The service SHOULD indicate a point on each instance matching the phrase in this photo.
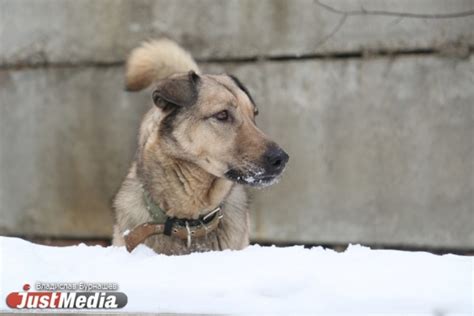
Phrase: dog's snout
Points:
(275, 159)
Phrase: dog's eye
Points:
(222, 115)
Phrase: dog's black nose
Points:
(275, 159)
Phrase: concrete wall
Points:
(71, 31)
(377, 115)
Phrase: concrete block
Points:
(67, 136)
(382, 150)
(89, 31)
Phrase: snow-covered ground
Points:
(257, 280)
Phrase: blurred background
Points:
(373, 100)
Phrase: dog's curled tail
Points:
(155, 60)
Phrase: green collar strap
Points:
(159, 216)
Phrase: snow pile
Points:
(258, 280)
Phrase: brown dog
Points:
(197, 146)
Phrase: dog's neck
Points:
(182, 189)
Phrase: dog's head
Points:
(210, 121)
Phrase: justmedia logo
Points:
(68, 296)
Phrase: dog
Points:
(198, 146)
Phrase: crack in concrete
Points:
(448, 52)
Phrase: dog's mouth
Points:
(264, 173)
(257, 179)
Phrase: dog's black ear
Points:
(242, 87)
(177, 91)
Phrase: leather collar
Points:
(184, 229)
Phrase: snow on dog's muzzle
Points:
(263, 173)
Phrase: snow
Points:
(257, 280)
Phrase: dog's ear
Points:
(177, 91)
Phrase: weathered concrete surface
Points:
(66, 138)
(70, 31)
(382, 150)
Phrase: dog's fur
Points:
(196, 148)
